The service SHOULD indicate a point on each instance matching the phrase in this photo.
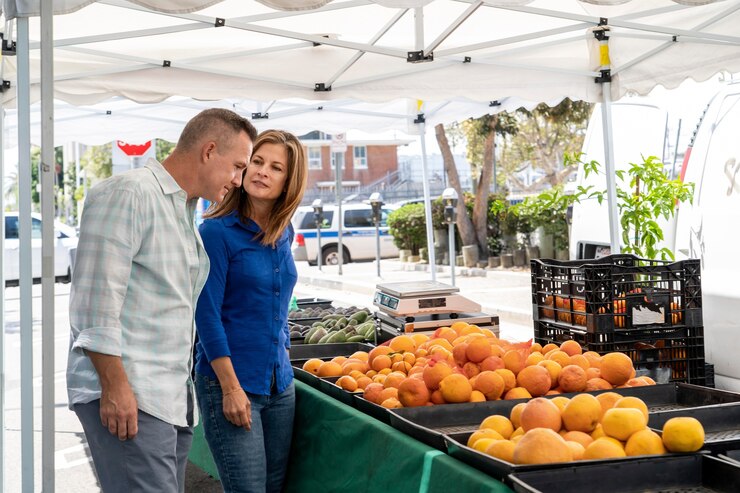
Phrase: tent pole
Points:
(24, 236)
(427, 198)
(611, 178)
(2, 307)
(48, 240)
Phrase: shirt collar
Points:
(166, 181)
(232, 219)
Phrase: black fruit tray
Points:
(668, 473)
(721, 424)
(501, 469)
(313, 303)
(329, 386)
(428, 424)
(301, 353)
(376, 411)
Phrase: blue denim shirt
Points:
(243, 309)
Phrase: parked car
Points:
(358, 235)
(66, 240)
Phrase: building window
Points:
(314, 158)
(360, 157)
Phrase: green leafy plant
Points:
(650, 196)
(407, 225)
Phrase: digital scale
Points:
(421, 306)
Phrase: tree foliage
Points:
(98, 162)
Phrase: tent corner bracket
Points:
(8, 46)
(419, 57)
(4, 85)
(260, 116)
(220, 22)
(321, 87)
(606, 76)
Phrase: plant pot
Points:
(423, 254)
(520, 257)
(413, 258)
(403, 255)
(494, 262)
(562, 255)
(533, 252)
(460, 261)
(507, 260)
(470, 254)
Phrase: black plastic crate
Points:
(669, 473)
(300, 353)
(721, 424)
(429, 424)
(617, 292)
(672, 354)
(313, 302)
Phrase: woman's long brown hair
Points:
(286, 204)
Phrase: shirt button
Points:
(275, 341)
(277, 318)
(277, 270)
(277, 293)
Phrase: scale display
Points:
(388, 301)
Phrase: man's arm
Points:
(118, 408)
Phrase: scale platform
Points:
(391, 326)
(415, 298)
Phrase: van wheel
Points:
(331, 256)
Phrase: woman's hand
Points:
(237, 408)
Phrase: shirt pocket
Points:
(253, 263)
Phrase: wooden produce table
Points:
(338, 448)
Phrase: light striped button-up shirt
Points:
(139, 270)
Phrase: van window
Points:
(36, 231)
(11, 227)
(358, 218)
(308, 221)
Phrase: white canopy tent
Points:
(359, 50)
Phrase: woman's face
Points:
(267, 173)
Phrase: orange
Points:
(347, 383)
(579, 360)
(621, 423)
(459, 353)
(436, 397)
(607, 400)
(391, 403)
(434, 373)
(312, 365)
(455, 388)
(577, 436)
(517, 393)
(582, 413)
(470, 369)
(376, 351)
(549, 347)
(683, 434)
(604, 448)
(402, 343)
(478, 349)
(491, 363)
(483, 433)
(541, 413)
(373, 391)
(597, 384)
(339, 359)
(381, 362)
(576, 449)
(502, 450)
(536, 347)
(394, 379)
(644, 442)
(419, 338)
(363, 382)
(514, 360)
(616, 368)
(509, 378)
(593, 358)
(412, 392)
(536, 379)
(387, 393)
(554, 368)
(534, 358)
(515, 416)
(634, 402)
(361, 355)
(501, 424)
(330, 369)
(571, 347)
(592, 373)
(490, 384)
(541, 446)
(401, 366)
(560, 357)
(353, 364)
(560, 401)
(458, 326)
(572, 379)
(477, 396)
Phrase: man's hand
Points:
(118, 406)
(238, 409)
(118, 411)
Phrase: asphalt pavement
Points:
(505, 293)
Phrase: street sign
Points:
(339, 143)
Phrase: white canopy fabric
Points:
(539, 50)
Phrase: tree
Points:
(163, 148)
(544, 136)
(480, 134)
(97, 161)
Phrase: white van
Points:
(66, 239)
(710, 230)
(358, 235)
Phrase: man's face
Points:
(225, 167)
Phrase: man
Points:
(139, 269)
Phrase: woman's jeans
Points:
(248, 461)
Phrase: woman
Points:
(244, 380)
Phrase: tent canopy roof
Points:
(535, 50)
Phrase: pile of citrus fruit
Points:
(584, 427)
(464, 363)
